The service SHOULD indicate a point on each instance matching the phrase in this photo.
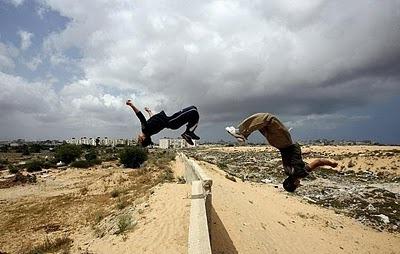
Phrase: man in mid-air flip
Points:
(160, 121)
(279, 137)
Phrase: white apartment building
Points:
(166, 143)
(101, 141)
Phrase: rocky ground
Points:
(365, 185)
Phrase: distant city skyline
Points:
(328, 69)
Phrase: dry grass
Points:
(26, 221)
(59, 245)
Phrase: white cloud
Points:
(16, 2)
(34, 63)
(19, 95)
(7, 55)
(215, 53)
(26, 38)
(230, 58)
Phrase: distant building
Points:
(166, 143)
(100, 141)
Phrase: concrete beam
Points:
(199, 239)
(200, 211)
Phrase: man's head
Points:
(144, 140)
(291, 183)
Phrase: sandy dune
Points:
(258, 218)
(162, 226)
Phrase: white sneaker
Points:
(235, 132)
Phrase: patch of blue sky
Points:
(26, 17)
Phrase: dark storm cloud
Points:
(230, 58)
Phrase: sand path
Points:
(257, 218)
(162, 226)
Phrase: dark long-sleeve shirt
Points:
(293, 163)
(154, 124)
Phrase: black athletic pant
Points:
(188, 115)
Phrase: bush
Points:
(96, 162)
(24, 149)
(124, 223)
(91, 155)
(81, 164)
(132, 157)
(35, 148)
(49, 164)
(4, 148)
(68, 153)
(34, 166)
(13, 169)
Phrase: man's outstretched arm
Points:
(137, 112)
(321, 162)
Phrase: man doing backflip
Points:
(160, 121)
(279, 137)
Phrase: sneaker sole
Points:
(188, 139)
(239, 138)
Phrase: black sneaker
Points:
(192, 135)
(188, 139)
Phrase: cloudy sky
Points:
(329, 69)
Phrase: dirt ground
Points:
(257, 218)
(107, 209)
(373, 158)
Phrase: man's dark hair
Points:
(146, 142)
(289, 184)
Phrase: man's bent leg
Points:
(253, 123)
(277, 134)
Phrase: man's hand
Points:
(129, 102)
(148, 111)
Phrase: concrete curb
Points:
(200, 216)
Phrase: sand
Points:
(162, 226)
(258, 218)
(56, 206)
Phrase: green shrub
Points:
(81, 164)
(4, 148)
(132, 157)
(124, 223)
(24, 149)
(91, 155)
(34, 166)
(49, 164)
(67, 153)
(96, 162)
(35, 148)
(13, 169)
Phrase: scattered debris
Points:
(233, 179)
(181, 180)
(384, 218)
